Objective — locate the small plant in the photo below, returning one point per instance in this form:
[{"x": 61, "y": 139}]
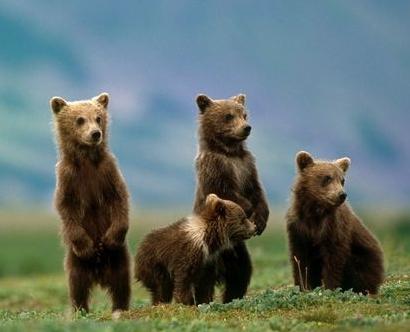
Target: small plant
[{"x": 302, "y": 281}]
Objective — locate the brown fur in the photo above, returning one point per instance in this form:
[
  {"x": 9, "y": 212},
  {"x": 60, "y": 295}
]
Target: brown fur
[
  {"x": 225, "y": 167},
  {"x": 332, "y": 244},
  {"x": 92, "y": 201},
  {"x": 174, "y": 261}
]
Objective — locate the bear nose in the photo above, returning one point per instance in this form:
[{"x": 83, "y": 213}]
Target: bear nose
[
  {"x": 96, "y": 134},
  {"x": 342, "y": 196},
  {"x": 247, "y": 129}
]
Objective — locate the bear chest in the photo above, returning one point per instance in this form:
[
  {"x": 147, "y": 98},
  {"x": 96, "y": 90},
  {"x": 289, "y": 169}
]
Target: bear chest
[
  {"x": 92, "y": 188},
  {"x": 241, "y": 172},
  {"x": 319, "y": 232}
]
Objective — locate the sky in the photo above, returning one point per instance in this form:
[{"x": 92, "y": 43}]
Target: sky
[{"x": 332, "y": 78}]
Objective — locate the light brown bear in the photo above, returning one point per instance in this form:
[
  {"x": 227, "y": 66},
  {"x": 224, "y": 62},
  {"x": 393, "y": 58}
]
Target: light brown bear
[
  {"x": 171, "y": 261},
  {"x": 92, "y": 200},
  {"x": 226, "y": 167},
  {"x": 328, "y": 243}
]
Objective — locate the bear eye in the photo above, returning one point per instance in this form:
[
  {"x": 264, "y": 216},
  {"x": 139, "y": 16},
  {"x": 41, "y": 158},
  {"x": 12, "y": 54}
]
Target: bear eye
[
  {"x": 343, "y": 182},
  {"x": 326, "y": 180},
  {"x": 80, "y": 121},
  {"x": 98, "y": 119},
  {"x": 245, "y": 116},
  {"x": 229, "y": 117}
]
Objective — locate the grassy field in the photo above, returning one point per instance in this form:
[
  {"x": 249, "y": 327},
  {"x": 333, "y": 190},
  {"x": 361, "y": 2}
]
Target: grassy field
[{"x": 33, "y": 294}]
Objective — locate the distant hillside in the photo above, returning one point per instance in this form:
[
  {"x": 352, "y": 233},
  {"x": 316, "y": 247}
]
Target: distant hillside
[{"x": 332, "y": 78}]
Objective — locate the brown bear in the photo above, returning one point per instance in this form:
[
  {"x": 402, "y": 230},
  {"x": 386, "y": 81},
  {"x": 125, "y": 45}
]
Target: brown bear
[
  {"x": 171, "y": 261},
  {"x": 225, "y": 166},
  {"x": 92, "y": 200},
  {"x": 328, "y": 243}
]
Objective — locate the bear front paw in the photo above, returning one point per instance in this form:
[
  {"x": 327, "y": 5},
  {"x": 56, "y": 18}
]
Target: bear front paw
[
  {"x": 115, "y": 237},
  {"x": 110, "y": 242},
  {"x": 260, "y": 224},
  {"x": 83, "y": 247},
  {"x": 85, "y": 252}
]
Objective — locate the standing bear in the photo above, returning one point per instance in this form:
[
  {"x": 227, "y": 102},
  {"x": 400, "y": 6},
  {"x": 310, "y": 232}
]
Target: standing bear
[
  {"x": 328, "y": 243},
  {"x": 92, "y": 201},
  {"x": 225, "y": 166},
  {"x": 170, "y": 261}
]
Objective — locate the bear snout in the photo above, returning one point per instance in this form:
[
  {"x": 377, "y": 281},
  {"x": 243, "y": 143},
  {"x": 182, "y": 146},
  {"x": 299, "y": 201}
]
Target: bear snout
[
  {"x": 342, "y": 197},
  {"x": 96, "y": 135},
  {"x": 246, "y": 130},
  {"x": 252, "y": 228}
]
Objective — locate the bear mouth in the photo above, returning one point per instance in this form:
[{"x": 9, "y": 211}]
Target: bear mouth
[
  {"x": 92, "y": 143},
  {"x": 341, "y": 201},
  {"x": 241, "y": 137},
  {"x": 337, "y": 202}
]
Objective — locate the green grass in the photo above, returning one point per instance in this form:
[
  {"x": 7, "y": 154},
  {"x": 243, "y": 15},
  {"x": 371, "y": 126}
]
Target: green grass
[{"x": 33, "y": 294}]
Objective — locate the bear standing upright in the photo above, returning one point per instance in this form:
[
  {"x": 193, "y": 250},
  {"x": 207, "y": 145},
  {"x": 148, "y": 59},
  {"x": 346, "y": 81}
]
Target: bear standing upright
[
  {"x": 225, "y": 166},
  {"x": 92, "y": 201},
  {"x": 170, "y": 261},
  {"x": 328, "y": 243}
]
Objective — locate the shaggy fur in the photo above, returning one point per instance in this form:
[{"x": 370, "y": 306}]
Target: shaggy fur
[
  {"x": 224, "y": 166},
  {"x": 174, "y": 261},
  {"x": 332, "y": 244},
  {"x": 92, "y": 201}
]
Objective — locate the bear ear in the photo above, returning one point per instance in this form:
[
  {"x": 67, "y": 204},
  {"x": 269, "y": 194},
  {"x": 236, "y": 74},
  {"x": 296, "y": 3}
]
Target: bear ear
[
  {"x": 240, "y": 99},
  {"x": 102, "y": 99},
  {"x": 57, "y": 103},
  {"x": 343, "y": 163},
  {"x": 203, "y": 102},
  {"x": 303, "y": 159},
  {"x": 215, "y": 205}
]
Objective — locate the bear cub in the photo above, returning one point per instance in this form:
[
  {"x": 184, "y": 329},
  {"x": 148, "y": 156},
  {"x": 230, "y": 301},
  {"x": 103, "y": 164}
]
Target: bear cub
[
  {"x": 226, "y": 167},
  {"x": 172, "y": 261},
  {"x": 329, "y": 245},
  {"x": 92, "y": 200}
]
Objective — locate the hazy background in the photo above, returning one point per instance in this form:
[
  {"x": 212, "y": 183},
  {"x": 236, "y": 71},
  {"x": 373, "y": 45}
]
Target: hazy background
[{"x": 330, "y": 77}]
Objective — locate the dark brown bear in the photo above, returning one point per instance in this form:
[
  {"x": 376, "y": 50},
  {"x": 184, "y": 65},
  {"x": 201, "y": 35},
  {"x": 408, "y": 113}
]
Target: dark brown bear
[
  {"x": 171, "y": 261},
  {"x": 225, "y": 166},
  {"x": 92, "y": 201},
  {"x": 326, "y": 239}
]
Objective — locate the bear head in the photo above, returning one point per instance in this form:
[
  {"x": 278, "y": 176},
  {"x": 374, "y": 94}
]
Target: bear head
[
  {"x": 229, "y": 218},
  {"x": 81, "y": 123},
  {"x": 321, "y": 182},
  {"x": 224, "y": 121}
]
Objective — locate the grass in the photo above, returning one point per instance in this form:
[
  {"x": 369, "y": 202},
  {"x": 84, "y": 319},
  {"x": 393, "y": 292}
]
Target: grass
[{"x": 33, "y": 294}]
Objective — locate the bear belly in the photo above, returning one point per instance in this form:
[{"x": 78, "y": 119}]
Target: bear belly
[
  {"x": 96, "y": 220},
  {"x": 241, "y": 172}
]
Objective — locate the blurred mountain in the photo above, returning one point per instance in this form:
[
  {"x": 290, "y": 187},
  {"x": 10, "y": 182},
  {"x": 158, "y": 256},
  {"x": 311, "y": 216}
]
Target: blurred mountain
[{"x": 332, "y": 78}]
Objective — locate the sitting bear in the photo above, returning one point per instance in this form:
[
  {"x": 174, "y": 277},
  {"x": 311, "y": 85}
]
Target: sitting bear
[
  {"x": 92, "y": 201},
  {"x": 328, "y": 243},
  {"x": 172, "y": 261}
]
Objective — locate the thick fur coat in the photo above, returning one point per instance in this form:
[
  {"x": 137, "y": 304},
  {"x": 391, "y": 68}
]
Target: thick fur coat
[
  {"x": 225, "y": 166},
  {"x": 92, "y": 200},
  {"x": 172, "y": 262},
  {"x": 328, "y": 243}
]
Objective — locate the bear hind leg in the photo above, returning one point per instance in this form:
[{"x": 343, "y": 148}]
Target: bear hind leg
[
  {"x": 120, "y": 291},
  {"x": 205, "y": 285},
  {"x": 163, "y": 291},
  {"x": 363, "y": 276},
  {"x": 159, "y": 283},
  {"x": 119, "y": 283},
  {"x": 80, "y": 283},
  {"x": 237, "y": 272}
]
